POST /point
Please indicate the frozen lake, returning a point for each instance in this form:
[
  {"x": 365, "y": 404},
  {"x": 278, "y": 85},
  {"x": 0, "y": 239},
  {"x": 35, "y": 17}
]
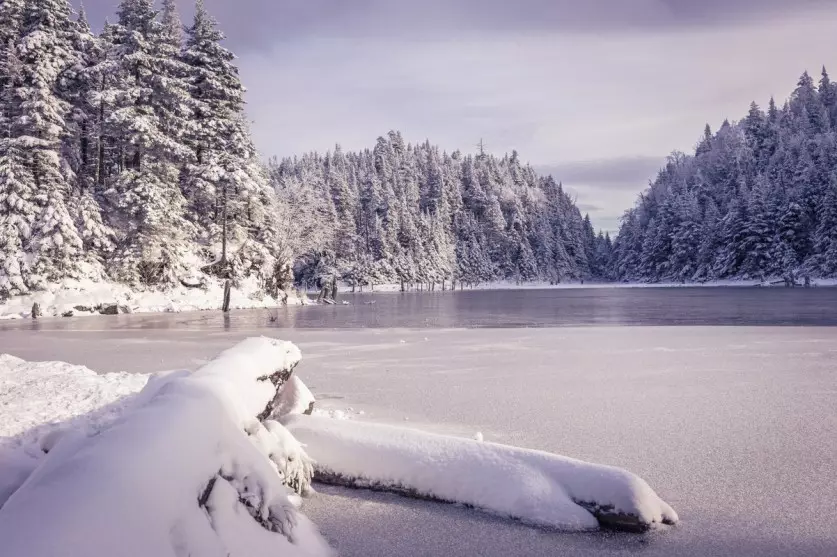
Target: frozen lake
[
  {"x": 518, "y": 308},
  {"x": 734, "y": 426}
]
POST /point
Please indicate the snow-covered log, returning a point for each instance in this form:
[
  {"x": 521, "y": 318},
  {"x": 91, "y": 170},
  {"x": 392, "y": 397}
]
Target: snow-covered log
[
  {"x": 190, "y": 470},
  {"x": 532, "y": 486}
]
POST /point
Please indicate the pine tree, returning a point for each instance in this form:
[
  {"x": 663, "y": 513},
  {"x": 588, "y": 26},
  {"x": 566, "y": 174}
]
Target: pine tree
[
  {"x": 828, "y": 96},
  {"x": 146, "y": 105},
  {"x": 824, "y": 261},
  {"x": 225, "y": 185},
  {"x": 172, "y": 26},
  {"x": 11, "y": 21},
  {"x": 18, "y": 208},
  {"x": 46, "y": 49}
]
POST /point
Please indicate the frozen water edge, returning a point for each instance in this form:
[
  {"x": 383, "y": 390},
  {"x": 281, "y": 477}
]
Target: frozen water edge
[{"x": 731, "y": 425}]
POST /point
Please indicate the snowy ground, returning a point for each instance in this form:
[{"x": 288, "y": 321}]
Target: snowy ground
[
  {"x": 732, "y": 426},
  {"x": 79, "y": 297}
]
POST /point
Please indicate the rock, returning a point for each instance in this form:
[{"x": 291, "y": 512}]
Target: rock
[
  {"x": 109, "y": 309},
  {"x": 125, "y": 309},
  {"x": 293, "y": 398},
  {"x": 610, "y": 519},
  {"x": 85, "y": 309},
  {"x": 36, "y": 310},
  {"x": 278, "y": 378},
  {"x": 67, "y": 314}
]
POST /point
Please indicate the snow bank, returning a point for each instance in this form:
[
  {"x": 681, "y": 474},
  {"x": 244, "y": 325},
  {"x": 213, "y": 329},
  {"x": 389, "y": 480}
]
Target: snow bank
[
  {"x": 79, "y": 296},
  {"x": 34, "y": 396},
  {"x": 535, "y": 487},
  {"x": 188, "y": 470},
  {"x": 39, "y": 401}
]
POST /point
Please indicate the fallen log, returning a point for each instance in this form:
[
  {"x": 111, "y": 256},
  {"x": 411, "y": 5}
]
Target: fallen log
[{"x": 534, "y": 487}]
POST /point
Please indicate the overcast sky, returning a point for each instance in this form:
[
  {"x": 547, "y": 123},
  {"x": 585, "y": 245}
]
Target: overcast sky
[{"x": 597, "y": 92}]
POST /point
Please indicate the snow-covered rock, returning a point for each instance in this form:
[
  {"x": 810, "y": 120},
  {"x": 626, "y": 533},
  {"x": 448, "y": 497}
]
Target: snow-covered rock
[
  {"x": 535, "y": 487},
  {"x": 294, "y": 398},
  {"x": 188, "y": 470}
]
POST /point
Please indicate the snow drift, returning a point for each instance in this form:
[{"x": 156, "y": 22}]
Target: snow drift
[
  {"x": 533, "y": 486},
  {"x": 190, "y": 470}
]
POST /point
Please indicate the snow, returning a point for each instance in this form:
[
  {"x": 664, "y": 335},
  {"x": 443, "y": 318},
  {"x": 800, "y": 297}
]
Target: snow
[
  {"x": 65, "y": 296},
  {"x": 34, "y": 396},
  {"x": 532, "y": 486},
  {"x": 175, "y": 475}
]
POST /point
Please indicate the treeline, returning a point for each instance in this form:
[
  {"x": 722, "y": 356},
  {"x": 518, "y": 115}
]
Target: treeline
[
  {"x": 125, "y": 155},
  {"x": 758, "y": 199},
  {"x": 416, "y": 215}
]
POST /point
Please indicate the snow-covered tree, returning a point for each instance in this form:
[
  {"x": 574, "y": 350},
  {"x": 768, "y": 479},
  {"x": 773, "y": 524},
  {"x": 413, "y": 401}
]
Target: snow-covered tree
[
  {"x": 18, "y": 206},
  {"x": 409, "y": 213},
  {"x": 45, "y": 50},
  {"x": 763, "y": 188},
  {"x": 147, "y": 103}
]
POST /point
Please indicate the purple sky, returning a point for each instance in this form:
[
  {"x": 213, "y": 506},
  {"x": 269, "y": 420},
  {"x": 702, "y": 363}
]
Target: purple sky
[{"x": 597, "y": 92}]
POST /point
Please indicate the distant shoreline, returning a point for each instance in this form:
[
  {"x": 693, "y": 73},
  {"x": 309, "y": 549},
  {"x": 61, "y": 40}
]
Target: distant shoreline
[{"x": 508, "y": 285}]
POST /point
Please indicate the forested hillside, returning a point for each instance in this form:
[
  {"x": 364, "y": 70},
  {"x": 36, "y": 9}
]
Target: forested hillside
[
  {"x": 758, "y": 199},
  {"x": 413, "y": 214},
  {"x": 124, "y": 154}
]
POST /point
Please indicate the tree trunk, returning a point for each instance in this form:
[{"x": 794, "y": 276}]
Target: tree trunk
[
  {"x": 224, "y": 229},
  {"x": 225, "y": 307},
  {"x": 100, "y": 163}
]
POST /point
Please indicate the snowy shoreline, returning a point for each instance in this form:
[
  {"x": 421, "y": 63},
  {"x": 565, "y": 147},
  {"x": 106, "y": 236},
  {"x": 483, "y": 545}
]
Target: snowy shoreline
[
  {"x": 73, "y": 298},
  {"x": 509, "y": 285}
]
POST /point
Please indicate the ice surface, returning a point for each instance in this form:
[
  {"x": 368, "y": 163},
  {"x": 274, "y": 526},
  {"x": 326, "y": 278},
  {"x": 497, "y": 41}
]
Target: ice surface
[
  {"x": 532, "y": 486},
  {"x": 733, "y": 426}
]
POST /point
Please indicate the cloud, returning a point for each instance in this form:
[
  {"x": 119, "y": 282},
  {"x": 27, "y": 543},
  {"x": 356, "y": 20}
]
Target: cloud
[
  {"x": 617, "y": 173},
  {"x": 589, "y": 208},
  {"x": 256, "y": 24}
]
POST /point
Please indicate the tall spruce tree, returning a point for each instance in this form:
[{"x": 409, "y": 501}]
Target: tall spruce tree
[
  {"x": 18, "y": 206},
  {"x": 46, "y": 49},
  {"x": 147, "y": 100}
]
